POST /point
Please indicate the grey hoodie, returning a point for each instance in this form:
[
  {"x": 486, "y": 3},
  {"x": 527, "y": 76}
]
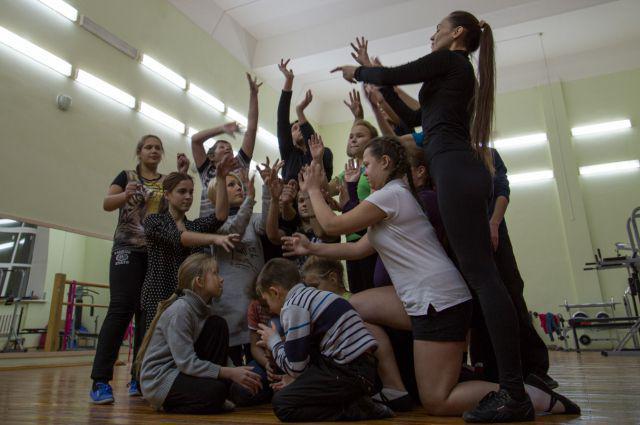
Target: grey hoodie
[{"x": 171, "y": 349}]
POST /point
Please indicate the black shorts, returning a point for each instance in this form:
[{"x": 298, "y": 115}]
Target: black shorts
[{"x": 448, "y": 325}]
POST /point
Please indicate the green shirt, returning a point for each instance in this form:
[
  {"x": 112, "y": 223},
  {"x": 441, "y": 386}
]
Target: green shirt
[{"x": 363, "y": 190}]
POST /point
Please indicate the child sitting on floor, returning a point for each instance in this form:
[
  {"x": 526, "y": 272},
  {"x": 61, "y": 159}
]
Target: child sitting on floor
[
  {"x": 327, "y": 348},
  {"x": 182, "y": 356}
]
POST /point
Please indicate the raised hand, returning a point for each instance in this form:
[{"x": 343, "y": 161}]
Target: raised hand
[
  {"x": 298, "y": 244},
  {"x": 348, "y": 72},
  {"x": 354, "y": 104},
  {"x": 316, "y": 147},
  {"x": 333, "y": 204},
  {"x": 243, "y": 376},
  {"x": 308, "y": 97},
  {"x": 352, "y": 171},
  {"x": 265, "y": 171},
  {"x": 373, "y": 94},
  {"x": 289, "y": 193},
  {"x": 228, "y": 242},
  {"x": 282, "y": 66},
  {"x": 254, "y": 86},
  {"x": 313, "y": 176},
  {"x": 360, "y": 53},
  {"x": 227, "y": 164},
  {"x": 231, "y": 128},
  {"x": 183, "y": 163},
  {"x": 376, "y": 61}
]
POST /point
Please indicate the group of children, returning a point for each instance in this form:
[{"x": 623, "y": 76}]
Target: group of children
[{"x": 419, "y": 255}]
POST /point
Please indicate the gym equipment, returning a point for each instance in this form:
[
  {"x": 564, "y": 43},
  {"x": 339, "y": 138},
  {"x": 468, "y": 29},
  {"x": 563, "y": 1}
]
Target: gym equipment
[
  {"x": 602, "y": 320},
  {"x": 631, "y": 262}
]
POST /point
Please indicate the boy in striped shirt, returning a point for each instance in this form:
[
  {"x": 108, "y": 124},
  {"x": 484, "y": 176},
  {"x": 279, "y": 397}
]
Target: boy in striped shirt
[{"x": 327, "y": 349}]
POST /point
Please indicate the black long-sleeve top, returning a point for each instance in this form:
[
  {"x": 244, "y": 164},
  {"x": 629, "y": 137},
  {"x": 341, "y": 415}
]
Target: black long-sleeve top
[
  {"x": 446, "y": 97},
  {"x": 293, "y": 157},
  {"x": 500, "y": 183}
]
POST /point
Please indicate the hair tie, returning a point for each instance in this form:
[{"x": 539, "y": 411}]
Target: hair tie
[
  {"x": 481, "y": 24},
  {"x": 179, "y": 292}
]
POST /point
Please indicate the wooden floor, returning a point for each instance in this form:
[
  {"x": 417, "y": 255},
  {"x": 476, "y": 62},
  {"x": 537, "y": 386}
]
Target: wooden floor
[{"x": 607, "y": 389}]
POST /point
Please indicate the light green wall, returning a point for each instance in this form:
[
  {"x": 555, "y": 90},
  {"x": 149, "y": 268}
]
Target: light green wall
[{"x": 66, "y": 160}]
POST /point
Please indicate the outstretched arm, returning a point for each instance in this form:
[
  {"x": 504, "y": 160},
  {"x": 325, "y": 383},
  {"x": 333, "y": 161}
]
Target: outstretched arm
[
  {"x": 198, "y": 139},
  {"x": 362, "y": 216},
  {"x": 299, "y": 245},
  {"x": 249, "y": 141}
]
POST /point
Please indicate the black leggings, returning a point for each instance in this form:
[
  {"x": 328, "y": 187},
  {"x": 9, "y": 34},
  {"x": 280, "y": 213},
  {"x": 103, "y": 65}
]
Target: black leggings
[
  {"x": 126, "y": 274},
  {"x": 533, "y": 351},
  {"x": 360, "y": 273},
  {"x": 202, "y": 396},
  {"x": 464, "y": 185}
]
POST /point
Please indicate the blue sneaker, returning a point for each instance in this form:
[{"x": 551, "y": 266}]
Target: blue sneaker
[
  {"x": 101, "y": 393},
  {"x": 134, "y": 388}
]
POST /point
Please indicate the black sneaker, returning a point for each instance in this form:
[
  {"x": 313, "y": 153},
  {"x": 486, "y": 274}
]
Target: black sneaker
[
  {"x": 498, "y": 407},
  {"x": 364, "y": 408}
]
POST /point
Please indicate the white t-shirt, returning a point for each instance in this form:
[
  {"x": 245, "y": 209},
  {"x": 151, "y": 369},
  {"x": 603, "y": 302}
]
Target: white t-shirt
[{"x": 420, "y": 270}]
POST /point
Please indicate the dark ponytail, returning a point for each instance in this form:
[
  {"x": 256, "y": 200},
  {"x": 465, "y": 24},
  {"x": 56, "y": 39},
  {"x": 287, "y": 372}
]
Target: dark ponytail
[
  {"x": 478, "y": 35},
  {"x": 397, "y": 153}
]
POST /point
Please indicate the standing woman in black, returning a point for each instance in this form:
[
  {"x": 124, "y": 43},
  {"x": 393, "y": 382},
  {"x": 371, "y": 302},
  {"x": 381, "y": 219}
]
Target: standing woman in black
[{"x": 456, "y": 113}]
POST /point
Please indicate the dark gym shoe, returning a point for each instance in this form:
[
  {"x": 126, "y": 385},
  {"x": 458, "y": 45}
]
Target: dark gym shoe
[
  {"x": 498, "y": 407},
  {"x": 364, "y": 408},
  {"x": 399, "y": 404},
  {"x": 570, "y": 408}
]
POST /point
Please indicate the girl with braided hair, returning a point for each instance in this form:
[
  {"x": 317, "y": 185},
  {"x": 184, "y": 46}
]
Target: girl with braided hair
[{"x": 428, "y": 296}]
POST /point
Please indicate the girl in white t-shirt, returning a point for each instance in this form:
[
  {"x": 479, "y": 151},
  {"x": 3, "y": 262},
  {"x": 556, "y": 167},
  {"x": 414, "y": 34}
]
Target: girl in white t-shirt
[{"x": 428, "y": 295}]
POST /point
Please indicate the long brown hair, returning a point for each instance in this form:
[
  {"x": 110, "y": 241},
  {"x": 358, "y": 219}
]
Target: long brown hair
[
  {"x": 478, "y": 35},
  {"x": 170, "y": 183},
  {"x": 196, "y": 265}
]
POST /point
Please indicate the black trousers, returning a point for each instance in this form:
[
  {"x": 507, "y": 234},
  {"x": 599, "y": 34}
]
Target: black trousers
[
  {"x": 325, "y": 390},
  {"x": 126, "y": 274},
  {"x": 360, "y": 273},
  {"x": 533, "y": 351},
  {"x": 464, "y": 186},
  {"x": 202, "y": 396}
]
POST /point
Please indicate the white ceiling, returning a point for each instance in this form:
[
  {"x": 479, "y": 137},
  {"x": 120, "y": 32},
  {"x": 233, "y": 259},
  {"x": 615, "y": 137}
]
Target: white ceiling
[{"x": 579, "y": 37}]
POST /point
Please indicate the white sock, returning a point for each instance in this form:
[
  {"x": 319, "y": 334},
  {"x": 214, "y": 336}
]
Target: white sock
[{"x": 390, "y": 394}]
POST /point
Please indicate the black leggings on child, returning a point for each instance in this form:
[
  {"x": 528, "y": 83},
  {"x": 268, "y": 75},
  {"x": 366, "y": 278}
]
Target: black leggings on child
[
  {"x": 464, "y": 185},
  {"x": 126, "y": 274},
  {"x": 202, "y": 396},
  {"x": 326, "y": 390}
]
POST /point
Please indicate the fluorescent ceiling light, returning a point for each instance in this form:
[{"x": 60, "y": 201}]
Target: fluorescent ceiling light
[
  {"x": 6, "y": 245},
  {"x": 161, "y": 117},
  {"x": 62, "y": 8},
  {"x": 164, "y": 72},
  {"x": 191, "y": 131},
  {"x": 207, "y": 98},
  {"x": 268, "y": 136},
  {"x": 534, "y": 176},
  {"x": 106, "y": 89},
  {"x": 4, "y": 221},
  {"x": 609, "y": 168},
  {"x": 604, "y": 127},
  {"x": 34, "y": 52},
  {"x": 520, "y": 141},
  {"x": 237, "y": 116}
]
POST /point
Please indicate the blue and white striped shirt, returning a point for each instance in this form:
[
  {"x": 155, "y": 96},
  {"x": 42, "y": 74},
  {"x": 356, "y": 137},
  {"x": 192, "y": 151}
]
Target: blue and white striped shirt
[{"x": 309, "y": 316}]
